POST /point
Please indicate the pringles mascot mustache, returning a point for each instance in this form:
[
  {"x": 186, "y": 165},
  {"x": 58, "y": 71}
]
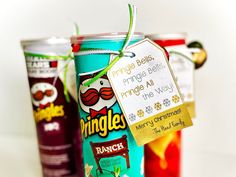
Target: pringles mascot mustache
[{"x": 93, "y": 98}]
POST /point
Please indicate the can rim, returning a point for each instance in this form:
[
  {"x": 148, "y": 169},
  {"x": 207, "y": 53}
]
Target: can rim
[
  {"x": 167, "y": 36},
  {"x": 53, "y": 40},
  {"x": 103, "y": 36}
]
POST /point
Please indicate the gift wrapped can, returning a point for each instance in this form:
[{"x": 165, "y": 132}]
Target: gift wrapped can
[
  {"x": 53, "y": 93},
  {"x": 163, "y": 156},
  {"x": 109, "y": 148}
]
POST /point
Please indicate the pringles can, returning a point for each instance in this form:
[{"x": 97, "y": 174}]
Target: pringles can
[
  {"x": 53, "y": 93},
  {"x": 163, "y": 156},
  {"x": 109, "y": 148}
]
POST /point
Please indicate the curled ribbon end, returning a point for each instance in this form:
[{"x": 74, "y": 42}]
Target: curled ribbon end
[
  {"x": 130, "y": 7},
  {"x": 76, "y": 28},
  {"x": 132, "y": 12}
]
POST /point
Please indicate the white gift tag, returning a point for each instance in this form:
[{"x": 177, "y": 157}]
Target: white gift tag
[
  {"x": 184, "y": 72},
  {"x": 147, "y": 93}
]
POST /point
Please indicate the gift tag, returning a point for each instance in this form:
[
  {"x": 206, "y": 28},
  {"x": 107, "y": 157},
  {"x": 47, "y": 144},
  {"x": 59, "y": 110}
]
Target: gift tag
[
  {"x": 147, "y": 93},
  {"x": 183, "y": 70}
]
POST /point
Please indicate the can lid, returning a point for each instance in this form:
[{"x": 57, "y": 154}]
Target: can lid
[
  {"x": 167, "y": 36},
  {"x": 103, "y": 36},
  {"x": 45, "y": 41}
]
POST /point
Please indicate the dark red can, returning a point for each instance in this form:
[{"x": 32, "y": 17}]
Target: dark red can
[{"x": 53, "y": 93}]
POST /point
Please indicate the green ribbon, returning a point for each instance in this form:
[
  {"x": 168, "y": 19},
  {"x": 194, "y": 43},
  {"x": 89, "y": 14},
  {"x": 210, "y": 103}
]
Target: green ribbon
[
  {"x": 66, "y": 93},
  {"x": 76, "y": 28},
  {"x": 56, "y": 57},
  {"x": 132, "y": 14},
  {"x": 52, "y": 57}
]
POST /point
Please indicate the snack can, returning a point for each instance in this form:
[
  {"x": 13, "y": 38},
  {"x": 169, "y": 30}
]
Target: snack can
[
  {"x": 109, "y": 148},
  {"x": 163, "y": 156},
  {"x": 54, "y": 107}
]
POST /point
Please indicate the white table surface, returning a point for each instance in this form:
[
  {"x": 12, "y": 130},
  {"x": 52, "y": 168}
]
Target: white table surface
[
  {"x": 19, "y": 158},
  {"x": 202, "y": 164}
]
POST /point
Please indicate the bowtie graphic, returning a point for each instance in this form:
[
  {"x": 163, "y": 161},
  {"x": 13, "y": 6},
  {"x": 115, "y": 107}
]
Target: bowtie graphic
[
  {"x": 94, "y": 113},
  {"x": 42, "y": 106}
]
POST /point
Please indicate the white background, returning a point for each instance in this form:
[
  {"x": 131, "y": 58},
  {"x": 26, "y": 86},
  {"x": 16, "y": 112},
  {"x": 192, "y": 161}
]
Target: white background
[{"x": 209, "y": 146}]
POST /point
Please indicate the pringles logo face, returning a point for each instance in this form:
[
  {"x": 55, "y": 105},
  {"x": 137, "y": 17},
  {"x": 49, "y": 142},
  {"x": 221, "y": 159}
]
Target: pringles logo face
[
  {"x": 43, "y": 95},
  {"x": 97, "y": 100},
  {"x": 94, "y": 97}
]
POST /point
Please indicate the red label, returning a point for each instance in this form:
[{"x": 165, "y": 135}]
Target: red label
[{"x": 117, "y": 147}]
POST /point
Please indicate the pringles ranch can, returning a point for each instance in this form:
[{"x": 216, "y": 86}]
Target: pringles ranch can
[
  {"x": 54, "y": 107},
  {"x": 163, "y": 156},
  {"x": 109, "y": 148}
]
